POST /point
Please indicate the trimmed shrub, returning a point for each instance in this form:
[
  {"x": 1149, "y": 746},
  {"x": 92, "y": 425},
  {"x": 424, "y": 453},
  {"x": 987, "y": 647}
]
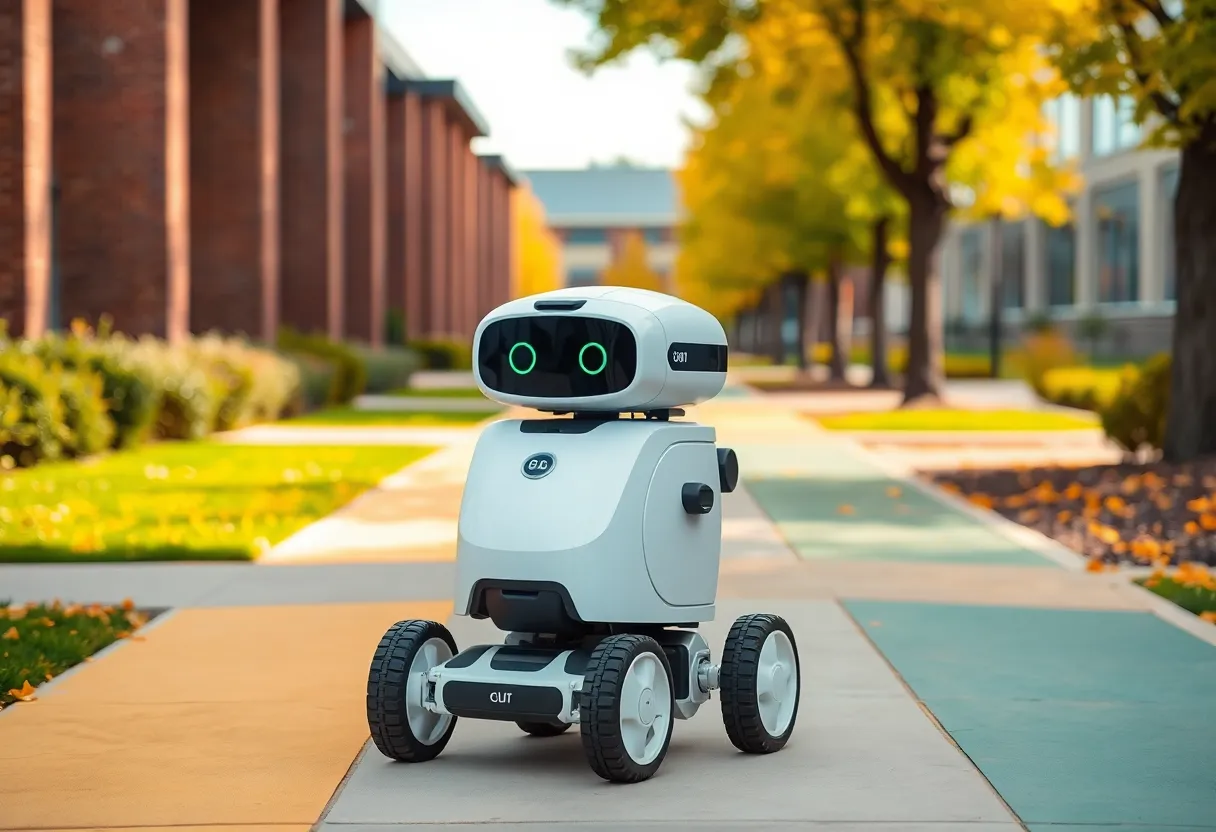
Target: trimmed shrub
[
  {"x": 130, "y": 394},
  {"x": 1042, "y": 352},
  {"x": 188, "y": 397},
  {"x": 444, "y": 354},
  {"x": 32, "y": 428},
  {"x": 89, "y": 428},
  {"x": 1086, "y": 388},
  {"x": 388, "y": 368},
  {"x": 350, "y": 374},
  {"x": 1135, "y": 417}
]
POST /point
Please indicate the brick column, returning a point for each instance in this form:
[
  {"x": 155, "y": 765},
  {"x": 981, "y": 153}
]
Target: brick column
[
  {"x": 395, "y": 197},
  {"x": 485, "y": 236},
  {"x": 121, "y": 149},
  {"x": 415, "y": 220},
  {"x": 475, "y": 301},
  {"x": 365, "y": 185},
  {"x": 458, "y": 144},
  {"x": 503, "y": 256},
  {"x": 234, "y": 166},
  {"x": 25, "y": 164},
  {"x": 436, "y": 202},
  {"x": 311, "y": 295}
]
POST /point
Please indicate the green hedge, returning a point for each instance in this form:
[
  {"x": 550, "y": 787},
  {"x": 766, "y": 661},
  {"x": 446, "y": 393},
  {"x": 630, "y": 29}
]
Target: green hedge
[
  {"x": 388, "y": 368},
  {"x": 82, "y": 393},
  {"x": 444, "y": 354},
  {"x": 1134, "y": 419},
  {"x": 349, "y": 376}
]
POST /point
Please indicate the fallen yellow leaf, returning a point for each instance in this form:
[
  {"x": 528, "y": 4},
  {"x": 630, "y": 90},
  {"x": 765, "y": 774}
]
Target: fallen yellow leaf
[
  {"x": 1199, "y": 504},
  {"x": 894, "y": 491},
  {"x": 25, "y": 693},
  {"x": 1208, "y": 521},
  {"x": 1191, "y": 527},
  {"x": 1095, "y": 565},
  {"x": 845, "y": 508},
  {"x": 1209, "y": 616},
  {"x": 1073, "y": 491},
  {"x": 11, "y": 634},
  {"x": 981, "y": 500}
]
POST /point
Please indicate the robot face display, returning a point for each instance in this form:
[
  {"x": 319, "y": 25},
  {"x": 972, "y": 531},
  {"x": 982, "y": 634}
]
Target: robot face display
[{"x": 557, "y": 356}]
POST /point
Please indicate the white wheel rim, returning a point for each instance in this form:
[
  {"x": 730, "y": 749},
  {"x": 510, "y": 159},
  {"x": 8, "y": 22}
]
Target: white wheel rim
[
  {"x": 777, "y": 683},
  {"x": 645, "y": 707},
  {"x": 426, "y": 726}
]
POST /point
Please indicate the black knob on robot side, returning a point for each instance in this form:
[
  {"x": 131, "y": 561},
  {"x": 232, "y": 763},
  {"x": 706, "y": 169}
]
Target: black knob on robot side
[
  {"x": 697, "y": 497},
  {"x": 728, "y": 470}
]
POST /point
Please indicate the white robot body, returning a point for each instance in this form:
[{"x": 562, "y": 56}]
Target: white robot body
[
  {"x": 594, "y": 542},
  {"x": 600, "y": 537}
]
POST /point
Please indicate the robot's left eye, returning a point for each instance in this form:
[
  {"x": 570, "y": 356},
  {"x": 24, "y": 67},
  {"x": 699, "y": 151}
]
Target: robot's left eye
[{"x": 593, "y": 358}]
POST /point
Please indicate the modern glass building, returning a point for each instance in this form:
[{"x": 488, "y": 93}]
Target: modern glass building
[
  {"x": 1113, "y": 259},
  {"x": 593, "y": 210}
]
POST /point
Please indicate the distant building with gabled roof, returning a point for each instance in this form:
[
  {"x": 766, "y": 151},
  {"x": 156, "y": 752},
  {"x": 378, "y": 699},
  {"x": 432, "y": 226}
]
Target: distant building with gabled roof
[{"x": 594, "y": 210}]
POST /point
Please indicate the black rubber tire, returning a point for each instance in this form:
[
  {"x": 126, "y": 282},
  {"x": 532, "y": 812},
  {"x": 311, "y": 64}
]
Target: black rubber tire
[
  {"x": 737, "y": 683},
  {"x": 544, "y": 729},
  {"x": 386, "y": 691},
  {"x": 600, "y": 709}
]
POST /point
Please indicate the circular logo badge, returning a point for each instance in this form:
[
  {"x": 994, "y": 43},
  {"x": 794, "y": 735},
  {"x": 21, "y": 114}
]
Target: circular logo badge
[{"x": 538, "y": 465}]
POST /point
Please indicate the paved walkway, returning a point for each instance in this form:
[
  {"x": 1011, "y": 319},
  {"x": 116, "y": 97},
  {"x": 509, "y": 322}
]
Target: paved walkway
[{"x": 957, "y": 675}]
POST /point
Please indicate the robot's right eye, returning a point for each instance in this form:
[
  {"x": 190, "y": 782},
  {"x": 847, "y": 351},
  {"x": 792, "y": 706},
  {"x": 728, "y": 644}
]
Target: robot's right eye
[
  {"x": 522, "y": 357},
  {"x": 593, "y": 358}
]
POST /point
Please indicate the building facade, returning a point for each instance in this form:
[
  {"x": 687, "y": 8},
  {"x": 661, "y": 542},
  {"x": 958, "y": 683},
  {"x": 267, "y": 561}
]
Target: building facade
[
  {"x": 593, "y": 212},
  {"x": 239, "y": 165},
  {"x": 1109, "y": 270}
]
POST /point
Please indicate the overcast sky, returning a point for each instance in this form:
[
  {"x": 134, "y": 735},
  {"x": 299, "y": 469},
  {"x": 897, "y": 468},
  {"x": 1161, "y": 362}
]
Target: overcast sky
[{"x": 511, "y": 58}]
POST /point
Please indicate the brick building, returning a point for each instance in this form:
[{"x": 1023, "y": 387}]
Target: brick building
[{"x": 239, "y": 165}]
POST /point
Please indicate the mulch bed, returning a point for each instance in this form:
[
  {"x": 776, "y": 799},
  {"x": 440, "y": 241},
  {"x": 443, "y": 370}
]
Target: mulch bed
[{"x": 1118, "y": 514}]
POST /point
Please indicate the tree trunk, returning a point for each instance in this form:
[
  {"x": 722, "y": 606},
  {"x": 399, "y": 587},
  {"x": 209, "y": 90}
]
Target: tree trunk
[
  {"x": 840, "y": 355},
  {"x": 1191, "y": 427},
  {"x": 776, "y": 317},
  {"x": 880, "y": 260},
  {"x": 925, "y": 378},
  {"x": 799, "y": 281}
]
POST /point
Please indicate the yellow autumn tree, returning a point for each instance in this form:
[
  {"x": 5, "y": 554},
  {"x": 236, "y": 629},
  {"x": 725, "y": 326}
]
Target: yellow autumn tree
[
  {"x": 631, "y": 266},
  {"x": 535, "y": 250},
  {"x": 923, "y": 78}
]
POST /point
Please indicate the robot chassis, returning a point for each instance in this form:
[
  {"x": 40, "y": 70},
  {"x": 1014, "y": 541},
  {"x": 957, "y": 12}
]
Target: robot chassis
[{"x": 594, "y": 542}]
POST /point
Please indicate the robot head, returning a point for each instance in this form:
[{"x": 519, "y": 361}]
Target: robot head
[{"x": 600, "y": 349}]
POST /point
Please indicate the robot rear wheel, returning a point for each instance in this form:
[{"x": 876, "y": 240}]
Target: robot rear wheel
[
  {"x": 626, "y": 708},
  {"x": 759, "y": 683},
  {"x": 402, "y": 728},
  {"x": 544, "y": 729}
]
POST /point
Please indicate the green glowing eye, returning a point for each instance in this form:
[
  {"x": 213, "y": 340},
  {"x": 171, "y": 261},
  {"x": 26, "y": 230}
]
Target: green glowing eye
[
  {"x": 528, "y": 349},
  {"x": 586, "y": 364}
]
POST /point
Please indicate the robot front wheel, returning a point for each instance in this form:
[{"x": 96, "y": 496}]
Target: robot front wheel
[
  {"x": 627, "y": 708},
  {"x": 401, "y": 727},
  {"x": 759, "y": 683}
]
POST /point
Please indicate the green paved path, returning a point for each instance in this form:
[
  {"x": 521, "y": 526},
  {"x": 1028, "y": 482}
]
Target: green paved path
[
  {"x": 807, "y": 489},
  {"x": 1081, "y": 719},
  {"x": 1099, "y": 719}
]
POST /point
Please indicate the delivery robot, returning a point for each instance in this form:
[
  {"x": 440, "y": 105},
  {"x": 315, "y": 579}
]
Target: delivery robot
[{"x": 592, "y": 538}]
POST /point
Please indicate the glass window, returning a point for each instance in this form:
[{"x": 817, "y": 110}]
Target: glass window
[
  {"x": 1013, "y": 264},
  {"x": 1064, "y": 113},
  {"x": 1114, "y": 126},
  {"x": 656, "y": 235},
  {"x": 1061, "y": 246},
  {"x": 1117, "y": 212},
  {"x": 586, "y": 235},
  {"x": 1169, "y": 192},
  {"x": 582, "y": 277},
  {"x": 969, "y": 274}
]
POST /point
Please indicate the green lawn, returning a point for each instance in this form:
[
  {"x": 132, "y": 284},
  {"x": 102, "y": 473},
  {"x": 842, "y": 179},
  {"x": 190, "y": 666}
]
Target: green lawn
[
  {"x": 182, "y": 501},
  {"x": 349, "y": 416},
  {"x": 40, "y": 641},
  {"x": 440, "y": 393},
  {"x": 1196, "y": 599},
  {"x": 955, "y": 420}
]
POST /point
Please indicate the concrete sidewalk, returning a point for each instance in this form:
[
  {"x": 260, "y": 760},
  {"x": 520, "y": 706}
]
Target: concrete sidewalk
[{"x": 953, "y": 678}]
